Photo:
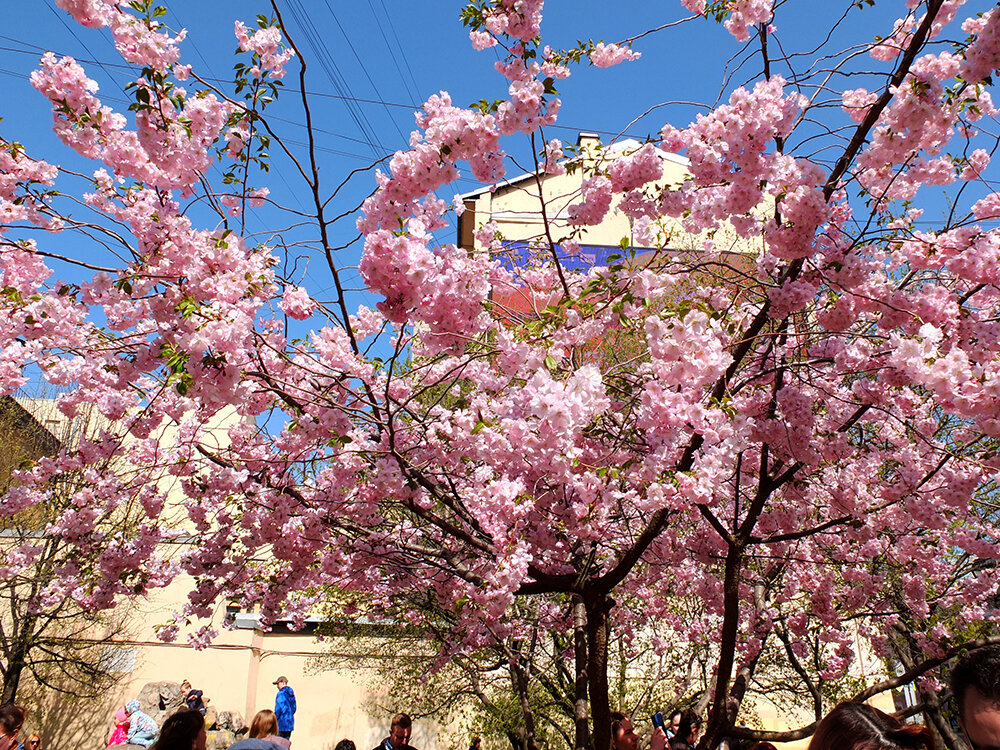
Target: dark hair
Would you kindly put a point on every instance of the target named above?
(762, 746)
(676, 712)
(617, 717)
(11, 717)
(346, 744)
(980, 669)
(180, 730)
(689, 722)
(403, 721)
(858, 726)
(264, 724)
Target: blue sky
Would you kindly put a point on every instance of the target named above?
(372, 61)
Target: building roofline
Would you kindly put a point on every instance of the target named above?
(9, 406)
(665, 155)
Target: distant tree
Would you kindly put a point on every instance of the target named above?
(44, 635)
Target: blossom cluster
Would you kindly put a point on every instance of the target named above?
(266, 45)
(814, 399)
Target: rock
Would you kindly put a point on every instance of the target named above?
(231, 720)
(219, 739)
(160, 699)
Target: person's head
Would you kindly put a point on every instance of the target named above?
(623, 736)
(400, 730)
(688, 726)
(346, 744)
(11, 719)
(476, 742)
(975, 683)
(281, 682)
(858, 726)
(264, 724)
(675, 720)
(185, 686)
(34, 742)
(132, 706)
(184, 730)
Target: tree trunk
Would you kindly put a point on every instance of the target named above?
(519, 678)
(598, 606)
(580, 710)
(716, 724)
(12, 675)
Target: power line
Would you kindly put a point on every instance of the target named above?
(406, 62)
(294, 90)
(329, 65)
(364, 69)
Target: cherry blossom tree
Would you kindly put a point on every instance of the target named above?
(806, 450)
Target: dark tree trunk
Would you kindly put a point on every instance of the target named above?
(716, 725)
(12, 675)
(598, 606)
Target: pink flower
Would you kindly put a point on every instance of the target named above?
(596, 202)
(266, 45)
(91, 13)
(482, 40)
(605, 55)
(296, 303)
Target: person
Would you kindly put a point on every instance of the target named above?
(975, 684)
(687, 731)
(284, 708)
(34, 742)
(399, 734)
(762, 746)
(119, 736)
(11, 720)
(142, 730)
(675, 722)
(477, 744)
(184, 730)
(263, 734)
(193, 698)
(623, 736)
(346, 744)
(858, 726)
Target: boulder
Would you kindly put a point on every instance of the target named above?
(219, 739)
(231, 720)
(160, 699)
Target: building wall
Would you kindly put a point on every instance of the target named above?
(516, 206)
(236, 672)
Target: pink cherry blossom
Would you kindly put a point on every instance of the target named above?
(606, 55)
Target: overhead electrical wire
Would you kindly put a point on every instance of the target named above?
(329, 65)
(406, 61)
(364, 69)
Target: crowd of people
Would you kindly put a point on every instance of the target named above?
(975, 686)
